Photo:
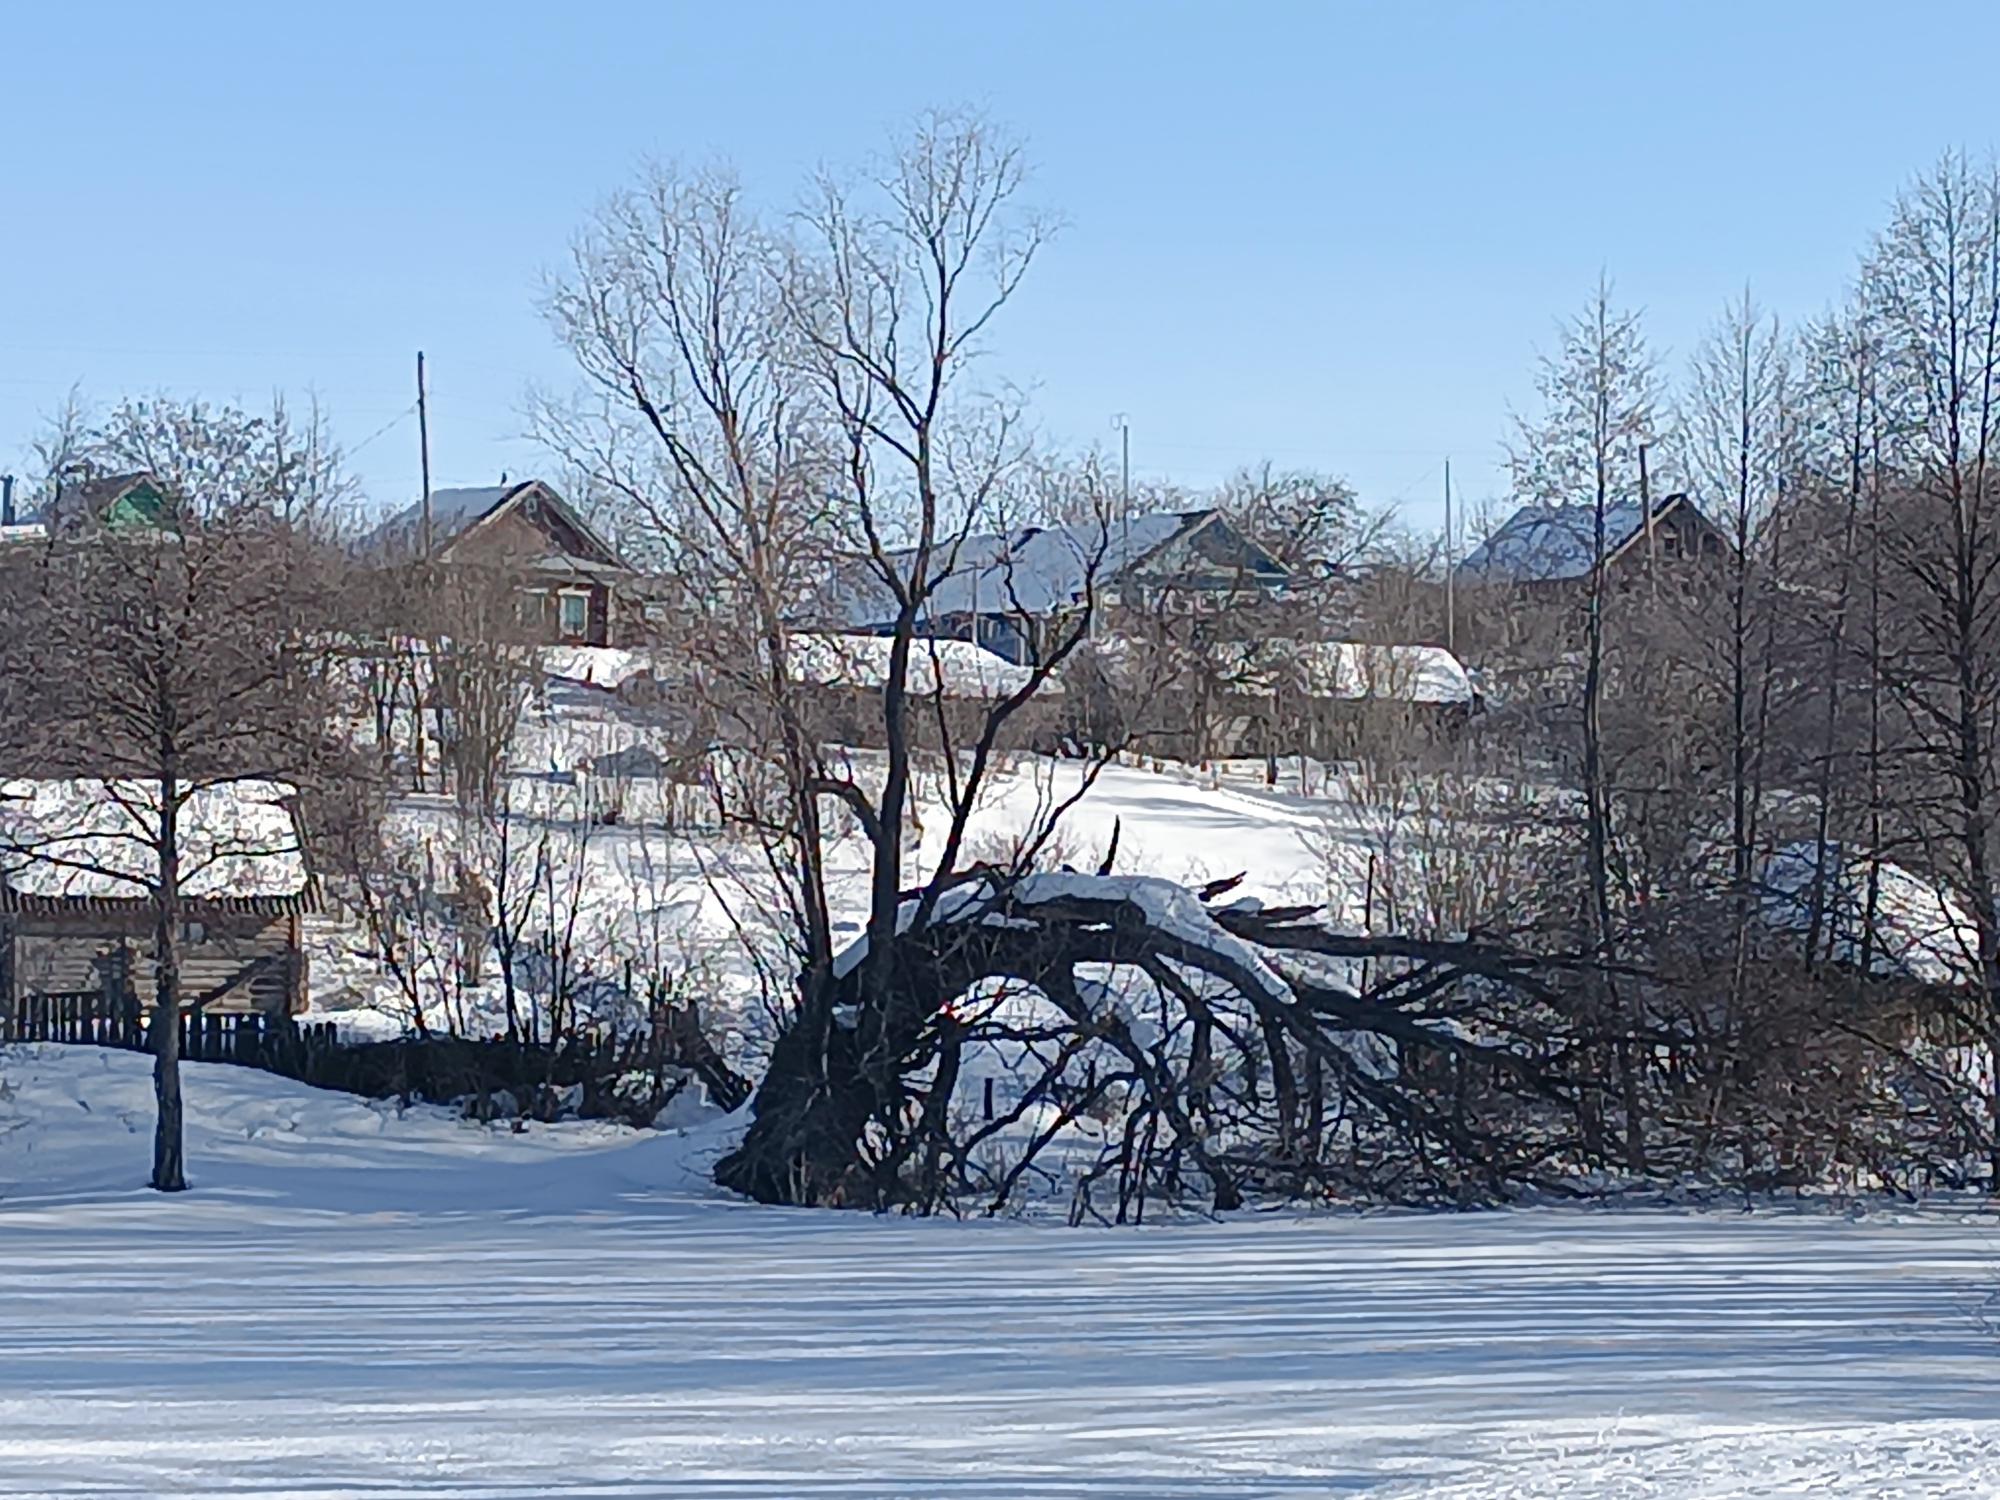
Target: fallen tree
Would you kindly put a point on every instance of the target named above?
(1220, 1048)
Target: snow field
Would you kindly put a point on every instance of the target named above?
(357, 1303)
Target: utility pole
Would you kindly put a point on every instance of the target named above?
(1646, 508)
(1124, 503)
(1450, 602)
(1125, 466)
(424, 452)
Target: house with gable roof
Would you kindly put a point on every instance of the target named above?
(1553, 547)
(1011, 591)
(569, 577)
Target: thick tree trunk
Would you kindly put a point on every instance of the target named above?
(169, 1151)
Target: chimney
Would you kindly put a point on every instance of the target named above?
(6, 499)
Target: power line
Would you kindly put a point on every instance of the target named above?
(405, 415)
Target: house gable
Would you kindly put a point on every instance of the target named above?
(535, 521)
(116, 502)
(140, 505)
(1209, 555)
(1679, 531)
(531, 521)
(1550, 545)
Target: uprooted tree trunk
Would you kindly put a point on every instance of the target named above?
(1449, 1069)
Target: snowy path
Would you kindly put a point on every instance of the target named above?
(350, 1306)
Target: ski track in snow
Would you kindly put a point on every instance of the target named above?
(360, 1304)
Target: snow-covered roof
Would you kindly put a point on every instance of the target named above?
(608, 667)
(89, 838)
(1347, 671)
(1920, 931)
(1353, 671)
(953, 669)
(23, 533)
(819, 660)
(1040, 570)
(1555, 543)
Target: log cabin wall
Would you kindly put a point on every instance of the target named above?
(247, 963)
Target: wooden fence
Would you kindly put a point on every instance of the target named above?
(596, 1073)
(100, 1019)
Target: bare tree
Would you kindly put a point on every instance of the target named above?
(1309, 522)
(1932, 289)
(792, 409)
(182, 657)
(1599, 395)
(1734, 427)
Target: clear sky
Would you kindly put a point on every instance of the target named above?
(1326, 235)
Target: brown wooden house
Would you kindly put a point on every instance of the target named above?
(568, 578)
(76, 918)
(1551, 548)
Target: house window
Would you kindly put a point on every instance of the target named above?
(573, 618)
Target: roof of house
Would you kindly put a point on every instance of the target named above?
(1555, 543)
(607, 667)
(1920, 931)
(454, 513)
(1038, 570)
(1336, 671)
(1353, 671)
(940, 668)
(101, 491)
(94, 497)
(87, 842)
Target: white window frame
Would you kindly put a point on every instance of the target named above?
(563, 597)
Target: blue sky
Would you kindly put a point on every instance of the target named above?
(1326, 235)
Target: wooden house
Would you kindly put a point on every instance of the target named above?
(1234, 699)
(568, 579)
(77, 918)
(115, 502)
(1013, 592)
(1551, 548)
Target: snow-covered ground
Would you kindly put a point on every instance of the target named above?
(686, 899)
(357, 1303)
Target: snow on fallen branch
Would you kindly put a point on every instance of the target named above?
(1262, 1055)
